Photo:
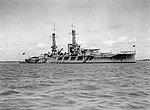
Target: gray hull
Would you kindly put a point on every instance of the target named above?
(118, 58)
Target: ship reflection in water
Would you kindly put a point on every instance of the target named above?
(76, 54)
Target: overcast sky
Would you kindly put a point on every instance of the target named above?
(111, 25)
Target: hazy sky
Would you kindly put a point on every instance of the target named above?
(111, 25)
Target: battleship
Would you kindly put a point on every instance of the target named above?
(76, 54)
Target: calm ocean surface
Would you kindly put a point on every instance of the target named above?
(109, 86)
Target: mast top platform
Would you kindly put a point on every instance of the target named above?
(72, 26)
(54, 28)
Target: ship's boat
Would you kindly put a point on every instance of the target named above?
(76, 54)
(32, 60)
(36, 59)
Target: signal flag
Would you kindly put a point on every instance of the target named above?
(23, 53)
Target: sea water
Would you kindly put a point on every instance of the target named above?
(106, 86)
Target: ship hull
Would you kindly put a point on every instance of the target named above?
(118, 58)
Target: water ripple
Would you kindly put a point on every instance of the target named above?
(75, 87)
